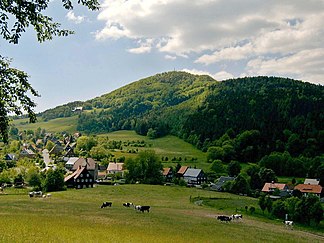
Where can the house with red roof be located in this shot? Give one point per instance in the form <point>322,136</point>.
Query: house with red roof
<point>270,188</point>
<point>182,171</point>
<point>309,188</point>
<point>167,174</point>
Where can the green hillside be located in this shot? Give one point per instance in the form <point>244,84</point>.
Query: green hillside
<point>245,119</point>
<point>67,124</point>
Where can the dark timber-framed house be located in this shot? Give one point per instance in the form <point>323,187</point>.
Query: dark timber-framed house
<point>81,178</point>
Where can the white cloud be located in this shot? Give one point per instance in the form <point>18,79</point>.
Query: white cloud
<point>140,50</point>
<point>230,53</point>
<point>306,65</point>
<point>220,30</point>
<point>169,57</point>
<point>76,19</point>
<point>222,75</point>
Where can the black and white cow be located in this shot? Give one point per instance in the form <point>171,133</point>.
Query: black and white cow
<point>237,216</point>
<point>128,204</point>
<point>106,204</point>
<point>36,194</point>
<point>145,208</point>
<point>224,218</point>
<point>289,224</point>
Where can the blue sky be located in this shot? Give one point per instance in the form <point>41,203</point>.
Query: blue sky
<point>128,40</point>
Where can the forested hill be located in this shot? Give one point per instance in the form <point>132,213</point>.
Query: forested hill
<point>201,110</point>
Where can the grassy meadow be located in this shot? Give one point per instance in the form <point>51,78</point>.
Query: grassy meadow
<point>168,146</point>
<point>76,216</point>
<point>67,124</point>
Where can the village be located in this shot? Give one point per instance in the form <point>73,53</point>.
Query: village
<point>84,172</point>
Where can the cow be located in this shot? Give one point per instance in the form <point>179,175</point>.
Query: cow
<point>36,194</point>
<point>128,204</point>
<point>137,207</point>
<point>237,216</point>
<point>106,204</point>
<point>289,224</point>
<point>145,208</point>
<point>224,218</point>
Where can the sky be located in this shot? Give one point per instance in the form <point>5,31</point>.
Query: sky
<point>127,40</point>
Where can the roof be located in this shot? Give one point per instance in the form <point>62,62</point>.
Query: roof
<point>115,167</point>
<point>27,151</point>
<point>308,188</point>
<point>75,174</point>
<point>46,157</point>
<point>190,172</point>
<point>271,186</point>
<point>166,171</point>
<point>10,157</point>
<point>89,162</point>
<point>182,170</point>
<point>312,181</point>
<point>72,160</point>
<point>223,179</point>
<point>56,149</point>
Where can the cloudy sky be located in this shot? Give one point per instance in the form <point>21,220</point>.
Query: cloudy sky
<point>127,40</point>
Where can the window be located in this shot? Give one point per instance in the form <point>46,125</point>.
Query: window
<point>87,175</point>
<point>90,180</point>
<point>82,180</point>
<point>86,180</point>
<point>81,175</point>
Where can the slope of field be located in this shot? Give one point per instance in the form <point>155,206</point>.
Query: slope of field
<point>168,146</point>
<point>67,124</point>
<point>76,216</point>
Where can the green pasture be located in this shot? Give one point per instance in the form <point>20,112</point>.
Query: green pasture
<point>67,124</point>
<point>76,216</point>
<point>168,146</point>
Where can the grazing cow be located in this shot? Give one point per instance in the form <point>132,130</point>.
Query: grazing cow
<point>106,204</point>
<point>289,224</point>
<point>36,194</point>
<point>237,216</point>
<point>138,207</point>
<point>224,218</point>
<point>144,208</point>
<point>128,204</point>
<point>48,195</point>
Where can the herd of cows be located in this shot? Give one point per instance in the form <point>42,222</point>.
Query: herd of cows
<point>39,194</point>
<point>235,217</point>
<point>139,208</point>
<point>128,205</point>
<point>224,218</point>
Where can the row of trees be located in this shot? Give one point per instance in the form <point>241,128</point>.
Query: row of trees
<point>29,174</point>
<point>304,209</point>
<point>245,147</point>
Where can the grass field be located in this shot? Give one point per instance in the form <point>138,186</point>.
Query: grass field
<point>67,124</point>
<point>76,216</point>
<point>168,146</point>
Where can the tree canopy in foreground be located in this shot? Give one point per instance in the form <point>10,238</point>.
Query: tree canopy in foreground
<point>14,86</point>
